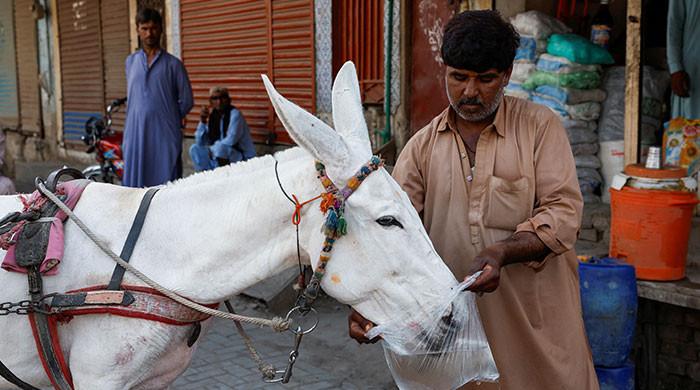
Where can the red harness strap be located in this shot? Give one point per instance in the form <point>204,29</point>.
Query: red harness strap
<point>148,304</point>
<point>57,352</point>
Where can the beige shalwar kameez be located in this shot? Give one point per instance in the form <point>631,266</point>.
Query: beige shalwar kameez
<point>524,180</point>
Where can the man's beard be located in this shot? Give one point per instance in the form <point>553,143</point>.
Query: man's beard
<point>479,115</point>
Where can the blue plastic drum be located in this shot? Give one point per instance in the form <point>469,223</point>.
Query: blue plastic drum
<point>619,378</point>
<point>609,303</point>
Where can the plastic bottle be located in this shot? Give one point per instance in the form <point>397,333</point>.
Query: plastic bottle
<point>601,25</point>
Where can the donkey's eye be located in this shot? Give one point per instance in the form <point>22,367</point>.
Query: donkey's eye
<point>388,220</point>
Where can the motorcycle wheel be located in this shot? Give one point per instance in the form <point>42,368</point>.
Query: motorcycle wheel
<point>94,173</point>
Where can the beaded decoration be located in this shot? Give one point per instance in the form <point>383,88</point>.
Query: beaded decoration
<point>333,206</point>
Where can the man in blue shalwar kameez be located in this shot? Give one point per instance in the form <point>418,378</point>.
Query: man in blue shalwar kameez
<point>159,97</point>
<point>683,39</point>
<point>222,137</point>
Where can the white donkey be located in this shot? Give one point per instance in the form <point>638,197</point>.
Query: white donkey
<point>210,236</point>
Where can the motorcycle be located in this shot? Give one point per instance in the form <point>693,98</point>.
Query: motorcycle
<point>105,143</point>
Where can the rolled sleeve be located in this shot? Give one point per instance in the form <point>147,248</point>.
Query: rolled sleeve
<point>556,218</point>
<point>199,134</point>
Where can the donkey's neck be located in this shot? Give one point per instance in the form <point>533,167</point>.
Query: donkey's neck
<point>233,230</point>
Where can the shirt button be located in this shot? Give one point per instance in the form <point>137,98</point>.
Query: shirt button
<point>464,155</point>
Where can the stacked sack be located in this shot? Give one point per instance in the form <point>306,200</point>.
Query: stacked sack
<point>534,28</point>
<point>566,79</point>
<point>612,119</point>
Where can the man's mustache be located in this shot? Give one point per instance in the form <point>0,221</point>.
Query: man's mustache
<point>471,101</point>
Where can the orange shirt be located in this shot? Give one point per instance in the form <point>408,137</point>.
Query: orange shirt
<point>524,179</point>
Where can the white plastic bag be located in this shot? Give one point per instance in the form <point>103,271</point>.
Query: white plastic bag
<point>612,118</point>
<point>570,95</point>
<point>538,24</point>
<point>515,89</point>
<point>443,348</point>
<point>555,64</point>
<point>521,71</point>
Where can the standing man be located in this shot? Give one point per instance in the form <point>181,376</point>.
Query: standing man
<point>159,97</point>
<point>225,138</point>
<point>494,181</point>
<point>683,41</point>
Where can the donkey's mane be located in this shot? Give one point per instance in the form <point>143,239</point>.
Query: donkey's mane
<point>241,168</point>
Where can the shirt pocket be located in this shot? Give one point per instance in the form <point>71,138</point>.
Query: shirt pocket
<point>507,203</point>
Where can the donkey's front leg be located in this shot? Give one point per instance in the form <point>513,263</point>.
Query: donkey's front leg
<point>110,352</point>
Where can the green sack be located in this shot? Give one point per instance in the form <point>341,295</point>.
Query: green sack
<point>579,80</point>
<point>578,49</point>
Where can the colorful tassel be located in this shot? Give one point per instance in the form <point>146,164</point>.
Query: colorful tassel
<point>342,227</point>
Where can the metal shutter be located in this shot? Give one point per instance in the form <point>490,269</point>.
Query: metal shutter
<point>9,112</point>
<point>358,35</point>
<point>115,49</point>
<point>230,43</point>
<point>293,55</point>
<point>81,65</point>
<point>28,69</point>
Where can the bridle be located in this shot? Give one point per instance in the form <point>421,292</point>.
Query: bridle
<point>335,226</point>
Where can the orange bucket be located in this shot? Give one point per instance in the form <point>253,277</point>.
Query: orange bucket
<point>650,229</point>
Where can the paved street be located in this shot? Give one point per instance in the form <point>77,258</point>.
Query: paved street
<point>328,359</point>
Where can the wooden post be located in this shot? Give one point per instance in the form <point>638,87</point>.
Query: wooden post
<point>632,80</point>
<point>168,25</point>
<point>133,35</point>
<point>471,5</point>
<point>56,63</point>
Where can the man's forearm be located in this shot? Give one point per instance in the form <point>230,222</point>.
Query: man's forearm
<point>522,247</point>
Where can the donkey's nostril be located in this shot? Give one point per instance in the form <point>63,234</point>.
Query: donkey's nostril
<point>447,317</point>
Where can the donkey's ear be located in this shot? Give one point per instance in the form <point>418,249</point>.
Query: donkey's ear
<point>309,132</point>
<point>348,117</point>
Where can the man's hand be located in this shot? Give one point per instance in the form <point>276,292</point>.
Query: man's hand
<point>358,326</point>
<point>680,83</point>
<point>490,261</point>
<point>204,114</point>
<point>520,247</point>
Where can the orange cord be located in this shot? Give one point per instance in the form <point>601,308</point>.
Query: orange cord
<point>296,217</point>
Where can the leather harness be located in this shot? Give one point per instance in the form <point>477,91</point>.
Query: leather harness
<point>47,310</point>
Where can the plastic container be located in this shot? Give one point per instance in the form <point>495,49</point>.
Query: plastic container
<point>612,158</point>
<point>650,228</point>
<point>617,378</point>
<point>609,305</point>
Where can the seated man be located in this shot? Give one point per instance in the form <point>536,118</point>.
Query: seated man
<point>226,139</point>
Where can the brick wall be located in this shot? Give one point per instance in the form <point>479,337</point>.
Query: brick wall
<point>667,347</point>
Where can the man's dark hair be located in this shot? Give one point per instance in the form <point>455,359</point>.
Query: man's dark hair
<point>149,15</point>
<point>479,41</point>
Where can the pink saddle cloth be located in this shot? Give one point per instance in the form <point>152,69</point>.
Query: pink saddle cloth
<point>70,193</point>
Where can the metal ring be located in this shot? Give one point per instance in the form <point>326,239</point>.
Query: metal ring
<point>299,329</point>
<point>275,379</point>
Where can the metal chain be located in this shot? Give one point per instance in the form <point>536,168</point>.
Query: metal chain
<point>21,307</point>
<point>24,307</point>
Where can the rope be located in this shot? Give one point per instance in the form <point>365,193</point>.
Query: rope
<point>267,369</point>
<point>296,217</point>
<point>277,323</point>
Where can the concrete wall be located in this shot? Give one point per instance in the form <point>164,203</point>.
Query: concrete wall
<point>29,147</point>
